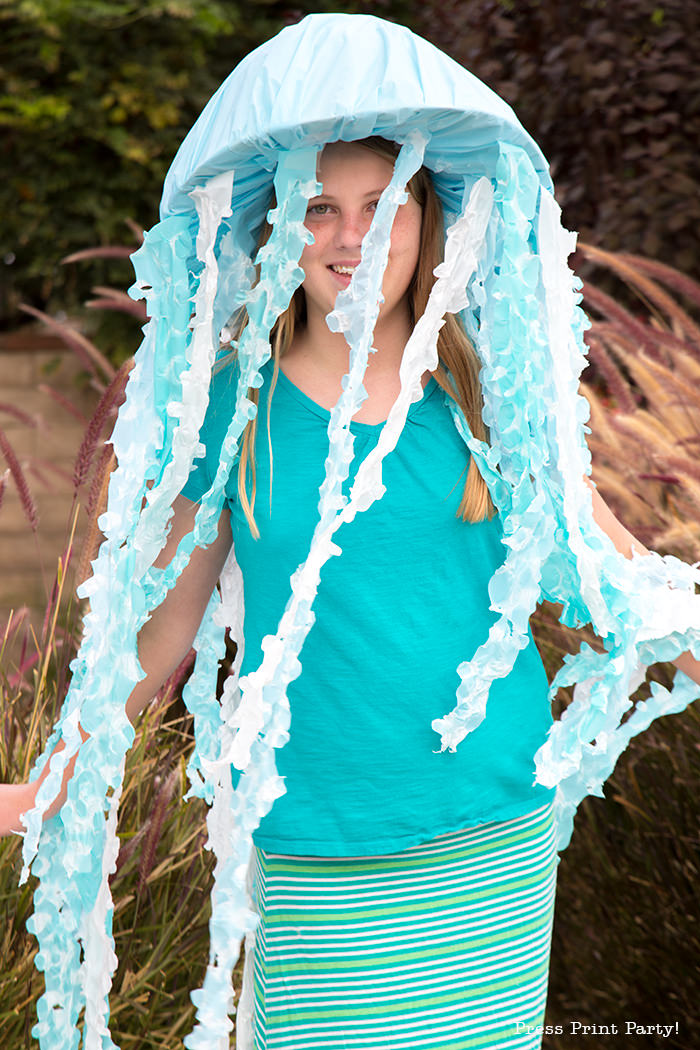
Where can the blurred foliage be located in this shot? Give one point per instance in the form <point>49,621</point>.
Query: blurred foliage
<point>92,96</point>
<point>610,89</point>
<point>95,98</point>
<point>96,95</point>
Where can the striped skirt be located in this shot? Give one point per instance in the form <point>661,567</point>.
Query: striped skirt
<point>443,945</point>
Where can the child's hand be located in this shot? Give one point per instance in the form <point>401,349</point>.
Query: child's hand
<point>15,799</point>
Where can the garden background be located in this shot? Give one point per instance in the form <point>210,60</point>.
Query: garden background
<point>95,96</point>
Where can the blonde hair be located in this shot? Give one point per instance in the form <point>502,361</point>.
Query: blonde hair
<point>458,369</point>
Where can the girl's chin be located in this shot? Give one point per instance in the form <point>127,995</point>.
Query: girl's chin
<point>341,279</point>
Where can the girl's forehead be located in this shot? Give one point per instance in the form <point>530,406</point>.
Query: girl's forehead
<point>351,160</point>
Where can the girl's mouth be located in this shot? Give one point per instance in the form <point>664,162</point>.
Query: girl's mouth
<point>343,272</point>
<point>349,270</point>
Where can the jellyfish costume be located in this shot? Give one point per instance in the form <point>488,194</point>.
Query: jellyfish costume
<point>505,273</point>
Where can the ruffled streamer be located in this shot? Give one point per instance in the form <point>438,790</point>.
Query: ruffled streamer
<point>259,721</point>
<point>528,329</point>
<point>512,343</point>
<point>233,817</point>
<point>75,853</point>
<point>506,273</point>
<point>156,440</point>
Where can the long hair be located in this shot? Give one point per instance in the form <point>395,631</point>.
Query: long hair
<point>458,368</point>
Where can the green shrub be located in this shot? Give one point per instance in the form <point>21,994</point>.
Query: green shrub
<point>95,98</point>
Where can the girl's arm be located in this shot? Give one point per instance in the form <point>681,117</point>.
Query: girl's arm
<point>163,643</point>
<point>626,543</point>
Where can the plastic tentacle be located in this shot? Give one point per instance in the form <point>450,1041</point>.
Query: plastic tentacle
<point>511,343</point>
<point>355,314</point>
<point>100,960</point>
<point>66,852</point>
<point>81,845</point>
<point>572,456</point>
<point>260,720</point>
<point>582,748</point>
<point>213,204</point>
<point>448,295</point>
<point>645,608</point>
<point>229,829</point>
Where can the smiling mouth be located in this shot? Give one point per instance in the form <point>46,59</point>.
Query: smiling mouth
<point>345,271</point>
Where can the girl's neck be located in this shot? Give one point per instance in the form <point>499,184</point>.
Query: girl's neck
<point>329,350</point>
<point>318,359</point>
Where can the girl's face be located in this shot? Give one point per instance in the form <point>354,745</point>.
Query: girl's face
<point>353,178</point>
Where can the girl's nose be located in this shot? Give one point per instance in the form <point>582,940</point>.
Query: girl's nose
<point>350,230</point>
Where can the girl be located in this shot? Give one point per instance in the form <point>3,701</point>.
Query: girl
<point>401,893</point>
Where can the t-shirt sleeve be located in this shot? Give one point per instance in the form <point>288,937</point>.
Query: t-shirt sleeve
<point>222,399</point>
<point>199,480</point>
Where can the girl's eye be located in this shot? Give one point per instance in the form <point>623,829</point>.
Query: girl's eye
<point>318,209</point>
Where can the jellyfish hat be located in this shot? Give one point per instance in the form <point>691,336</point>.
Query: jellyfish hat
<point>505,273</point>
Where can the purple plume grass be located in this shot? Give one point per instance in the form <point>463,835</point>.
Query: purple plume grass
<point>114,299</point>
<point>672,343</point>
<point>136,229</point>
<point>19,414</point>
<point>92,358</point>
<point>647,288</point>
<point>684,465</point>
<point>25,646</point>
<point>624,321</point>
<point>650,448</point>
<point>127,850</point>
<point>111,399</point>
<point>154,827</point>
<point>668,275</point>
<point>107,251</point>
<point>679,392</point>
<point>20,480</point>
<point>99,481</point>
<point>63,401</point>
<point>110,251</point>
<point>616,382</point>
<point>97,498</point>
<point>659,338</point>
<point>14,621</point>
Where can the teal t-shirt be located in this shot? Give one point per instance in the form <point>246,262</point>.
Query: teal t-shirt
<point>404,604</point>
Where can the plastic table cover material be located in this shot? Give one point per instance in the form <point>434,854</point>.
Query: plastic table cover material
<point>506,274</point>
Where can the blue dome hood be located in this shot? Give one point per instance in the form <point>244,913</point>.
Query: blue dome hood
<point>337,76</point>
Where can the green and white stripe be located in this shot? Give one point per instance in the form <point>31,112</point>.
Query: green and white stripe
<point>444,945</point>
